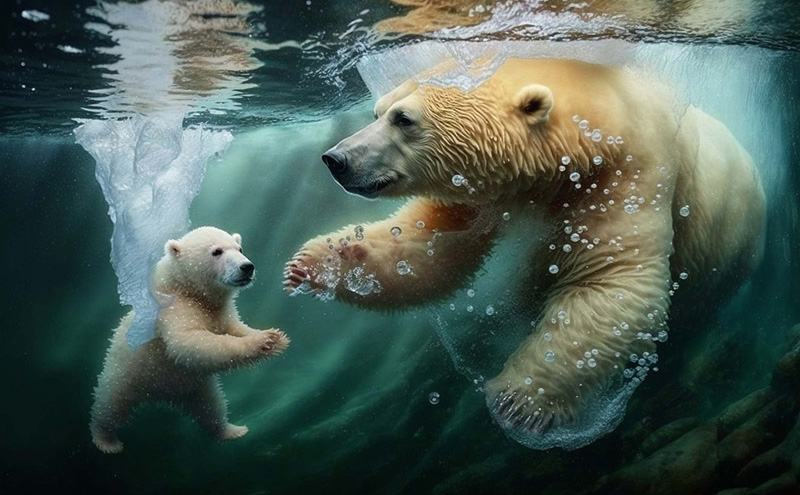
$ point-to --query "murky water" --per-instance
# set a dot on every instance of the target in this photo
(116, 116)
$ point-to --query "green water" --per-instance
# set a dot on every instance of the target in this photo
(346, 408)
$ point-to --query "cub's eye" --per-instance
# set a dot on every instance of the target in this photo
(216, 252)
(403, 120)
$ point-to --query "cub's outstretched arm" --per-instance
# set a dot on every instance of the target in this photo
(422, 253)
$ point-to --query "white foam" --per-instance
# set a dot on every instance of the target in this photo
(476, 61)
(150, 169)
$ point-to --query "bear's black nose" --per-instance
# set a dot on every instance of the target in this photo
(247, 268)
(336, 161)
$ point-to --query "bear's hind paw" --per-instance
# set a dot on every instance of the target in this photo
(514, 410)
(232, 432)
(107, 444)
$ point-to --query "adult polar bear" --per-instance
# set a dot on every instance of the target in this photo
(634, 193)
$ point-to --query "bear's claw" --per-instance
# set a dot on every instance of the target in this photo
(515, 410)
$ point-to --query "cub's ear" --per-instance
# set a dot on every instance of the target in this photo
(172, 247)
(535, 102)
(394, 96)
(237, 238)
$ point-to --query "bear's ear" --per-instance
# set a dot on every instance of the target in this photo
(237, 238)
(172, 247)
(394, 96)
(535, 102)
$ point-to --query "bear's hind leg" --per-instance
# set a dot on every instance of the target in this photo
(209, 408)
(108, 414)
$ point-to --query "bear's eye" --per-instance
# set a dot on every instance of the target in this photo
(240, 250)
(403, 120)
(216, 252)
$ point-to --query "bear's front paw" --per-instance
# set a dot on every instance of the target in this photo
(270, 342)
(299, 274)
(519, 403)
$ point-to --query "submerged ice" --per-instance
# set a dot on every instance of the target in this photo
(150, 169)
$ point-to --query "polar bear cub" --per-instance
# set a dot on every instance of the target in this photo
(198, 334)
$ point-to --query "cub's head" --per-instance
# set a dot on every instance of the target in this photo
(426, 138)
(208, 258)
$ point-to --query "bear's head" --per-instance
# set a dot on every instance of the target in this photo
(207, 260)
(427, 138)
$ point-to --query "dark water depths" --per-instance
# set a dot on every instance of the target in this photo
(346, 409)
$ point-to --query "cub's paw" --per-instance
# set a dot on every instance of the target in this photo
(232, 432)
(107, 444)
(271, 342)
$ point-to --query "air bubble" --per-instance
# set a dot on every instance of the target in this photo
(579, 363)
(597, 136)
(549, 356)
(528, 381)
(684, 211)
(567, 248)
(471, 292)
(574, 176)
(575, 118)
(489, 310)
(470, 308)
(433, 398)
(629, 158)
(565, 160)
(591, 362)
(457, 180)
(548, 337)
(506, 216)
(396, 231)
(684, 275)
(597, 160)
(583, 124)
(403, 268)
(420, 224)
(553, 269)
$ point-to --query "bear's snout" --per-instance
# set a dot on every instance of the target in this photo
(247, 268)
(336, 161)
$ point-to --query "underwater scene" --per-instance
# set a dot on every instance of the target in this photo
(400, 246)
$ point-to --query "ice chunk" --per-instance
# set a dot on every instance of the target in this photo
(150, 169)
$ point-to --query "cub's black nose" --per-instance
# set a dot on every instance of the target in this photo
(335, 161)
(247, 268)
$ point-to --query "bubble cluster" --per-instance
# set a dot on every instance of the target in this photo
(359, 231)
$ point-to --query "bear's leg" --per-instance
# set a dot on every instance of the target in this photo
(109, 411)
(583, 342)
(420, 254)
(208, 407)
